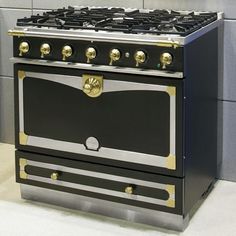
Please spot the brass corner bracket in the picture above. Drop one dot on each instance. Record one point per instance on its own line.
(171, 162)
(170, 189)
(23, 138)
(171, 91)
(170, 203)
(21, 74)
(23, 164)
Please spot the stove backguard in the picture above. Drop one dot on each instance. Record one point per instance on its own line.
(129, 121)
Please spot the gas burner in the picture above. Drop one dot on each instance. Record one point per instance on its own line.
(119, 19)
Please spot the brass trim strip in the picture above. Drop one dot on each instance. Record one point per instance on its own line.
(168, 44)
(16, 33)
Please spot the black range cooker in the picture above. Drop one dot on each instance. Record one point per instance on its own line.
(116, 110)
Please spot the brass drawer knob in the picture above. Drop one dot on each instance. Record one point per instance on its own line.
(54, 176)
(129, 190)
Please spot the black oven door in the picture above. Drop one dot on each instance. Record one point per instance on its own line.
(130, 121)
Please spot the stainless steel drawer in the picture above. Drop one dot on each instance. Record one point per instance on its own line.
(101, 182)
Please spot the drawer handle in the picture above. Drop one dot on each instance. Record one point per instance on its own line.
(54, 176)
(129, 190)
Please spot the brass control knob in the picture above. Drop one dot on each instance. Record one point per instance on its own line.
(54, 176)
(166, 59)
(140, 57)
(129, 190)
(92, 87)
(91, 54)
(45, 50)
(115, 55)
(23, 48)
(67, 52)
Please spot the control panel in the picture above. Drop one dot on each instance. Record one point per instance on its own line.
(101, 53)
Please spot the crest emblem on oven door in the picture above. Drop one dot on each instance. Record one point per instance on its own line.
(92, 85)
(92, 144)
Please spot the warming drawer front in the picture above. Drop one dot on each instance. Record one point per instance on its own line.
(122, 122)
(97, 181)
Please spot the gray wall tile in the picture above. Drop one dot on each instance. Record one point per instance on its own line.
(6, 110)
(228, 170)
(229, 87)
(58, 3)
(8, 19)
(227, 6)
(16, 3)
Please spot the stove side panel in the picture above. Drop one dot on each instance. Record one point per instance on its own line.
(201, 89)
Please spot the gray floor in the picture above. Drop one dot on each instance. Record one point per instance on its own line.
(19, 217)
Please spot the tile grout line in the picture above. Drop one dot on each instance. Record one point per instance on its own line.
(16, 8)
(233, 19)
(225, 100)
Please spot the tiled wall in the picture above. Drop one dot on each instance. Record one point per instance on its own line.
(10, 10)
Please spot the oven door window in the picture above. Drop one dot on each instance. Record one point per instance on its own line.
(127, 121)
